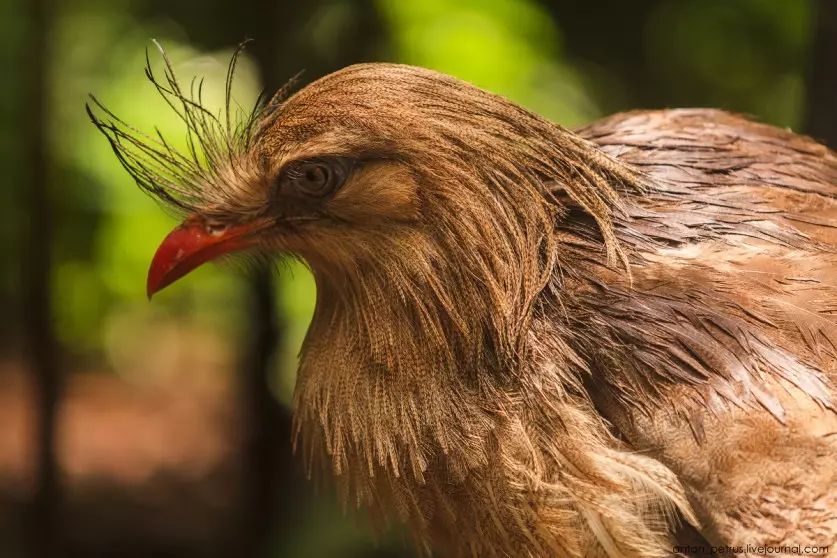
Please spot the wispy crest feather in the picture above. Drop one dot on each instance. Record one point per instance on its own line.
(193, 180)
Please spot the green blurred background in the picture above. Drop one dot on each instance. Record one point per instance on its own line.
(130, 428)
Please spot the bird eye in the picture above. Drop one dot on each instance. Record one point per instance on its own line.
(314, 178)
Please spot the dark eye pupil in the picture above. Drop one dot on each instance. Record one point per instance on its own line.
(316, 175)
(313, 178)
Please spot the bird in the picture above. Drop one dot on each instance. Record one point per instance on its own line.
(609, 341)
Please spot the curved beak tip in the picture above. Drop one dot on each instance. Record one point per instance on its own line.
(192, 244)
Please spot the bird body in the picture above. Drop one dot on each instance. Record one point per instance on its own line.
(531, 341)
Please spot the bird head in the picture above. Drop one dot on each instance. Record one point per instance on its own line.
(390, 181)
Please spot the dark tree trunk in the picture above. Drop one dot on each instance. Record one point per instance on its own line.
(275, 494)
(266, 468)
(821, 114)
(43, 529)
(589, 38)
(272, 503)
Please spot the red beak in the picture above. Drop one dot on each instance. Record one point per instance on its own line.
(194, 243)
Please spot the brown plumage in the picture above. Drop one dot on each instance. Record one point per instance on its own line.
(531, 341)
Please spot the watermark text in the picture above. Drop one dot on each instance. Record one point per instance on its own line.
(764, 550)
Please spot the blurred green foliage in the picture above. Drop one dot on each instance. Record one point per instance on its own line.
(107, 275)
(569, 61)
(510, 47)
(747, 56)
